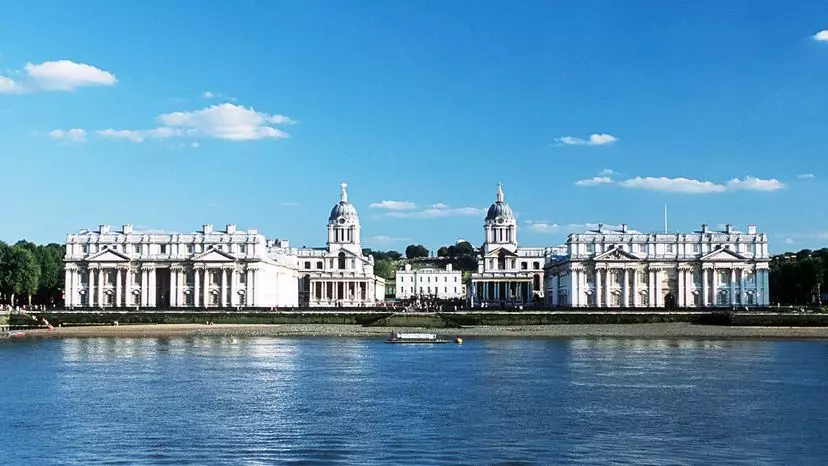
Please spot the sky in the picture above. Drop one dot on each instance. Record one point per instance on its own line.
(170, 115)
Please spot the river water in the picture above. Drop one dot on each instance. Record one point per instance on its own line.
(259, 400)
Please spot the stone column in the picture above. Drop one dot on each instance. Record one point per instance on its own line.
(634, 293)
(575, 291)
(703, 287)
(223, 289)
(196, 286)
(598, 287)
(742, 287)
(67, 288)
(152, 291)
(732, 286)
(118, 289)
(651, 293)
(714, 299)
(625, 302)
(99, 292)
(205, 290)
(680, 276)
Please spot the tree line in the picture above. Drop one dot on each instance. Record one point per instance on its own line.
(799, 278)
(31, 274)
(462, 256)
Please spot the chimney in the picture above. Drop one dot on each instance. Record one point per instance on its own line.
(751, 229)
(728, 228)
(231, 229)
(127, 229)
(600, 227)
(207, 229)
(623, 228)
(448, 267)
(103, 229)
(704, 228)
(408, 267)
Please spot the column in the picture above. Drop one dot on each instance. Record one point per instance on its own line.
(128, 287)
(651, 294)
(680, 277)
(625, 297)
(248, 292)
(223, 284)
(732, 286)
(598, 287)
(713, 300)
(576, 288)
(99, 292)
(152, 297)
(196, 286)
(234, 286)
(205, 288)
(254, 287)
(742, 287)
(181, 280)
(634, 290)
(765, 297)
(118, 285)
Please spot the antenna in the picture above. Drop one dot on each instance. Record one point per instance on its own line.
(665, 218)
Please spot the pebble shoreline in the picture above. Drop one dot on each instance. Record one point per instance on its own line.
(655, 331)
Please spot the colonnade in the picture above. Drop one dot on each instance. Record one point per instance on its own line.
(120, 285)
(329, 292)
(497, 291)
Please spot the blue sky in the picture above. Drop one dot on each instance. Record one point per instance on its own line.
(168, 115)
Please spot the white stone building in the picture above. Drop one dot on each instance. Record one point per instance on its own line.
(429, 282)
(624, 268)
(221, 269)
(339, 275)
(507, 275)
(207, 268)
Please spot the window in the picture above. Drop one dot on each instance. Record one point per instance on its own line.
(243, 248)
(523, 266)
(455, 279)
(163, 249)
(751, 249)
(696, 249)
(669, 249)
(319, 265)
(590, 248)
(536, 265)
(242, 278)
(307, 264)
(85, 248)
(190, 249)
(136, 248)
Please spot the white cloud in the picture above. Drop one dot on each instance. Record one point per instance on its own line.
(393, 205)
(60, 75)
(675, 185)
(543, 226)
(607, 172)
(790, 241)
(195, 145)
(594, 140)
(594, 181)
(806, 176)
(216, 95)
(440, 210)
(383, 239)
(72, 135)
(750, 183)
(821, 36)
(208, 95)
(288, 204)
(223, 121)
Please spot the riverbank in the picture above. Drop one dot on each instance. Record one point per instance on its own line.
(652, 331)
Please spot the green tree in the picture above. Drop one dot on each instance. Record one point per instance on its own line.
(385, 269)
(50, 259)
(413, 251)
(20, 273)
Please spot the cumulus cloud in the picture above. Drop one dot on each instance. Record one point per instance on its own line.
(440, 210)
(216, 95)
(71, 135)
(594, 181)
(393, 205)
(223, 121)
(208, 95)
(607, 172)
(596, 139)
(59, 75)
(543, 226)
(806, 176)
(821, 36)
(750, 183)
(675, 185)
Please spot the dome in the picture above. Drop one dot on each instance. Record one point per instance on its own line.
(343, 208)
(500, 209)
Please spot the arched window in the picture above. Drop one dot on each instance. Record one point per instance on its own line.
(536, 283)
(501, 260)
(342, 260)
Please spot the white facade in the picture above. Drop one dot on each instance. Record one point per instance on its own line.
(220, 269)
(628, 269)
(429, 282)
(507, 275)
(339, 275)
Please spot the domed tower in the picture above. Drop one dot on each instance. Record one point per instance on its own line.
(501, 225)
(343, 226)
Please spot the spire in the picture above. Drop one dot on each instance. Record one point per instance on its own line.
(500, 192)
(344, 192)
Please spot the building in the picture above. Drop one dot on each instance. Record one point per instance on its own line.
(507, 275)
(339, 275)
(623, 268)
(220, 269)
(431, 283)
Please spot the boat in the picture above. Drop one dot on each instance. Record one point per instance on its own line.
(15, 334)
(397, 337)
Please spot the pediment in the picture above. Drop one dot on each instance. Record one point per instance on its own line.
(108, 255)
(214, 255)
(494, 253)
(723, 255)
(616, 254)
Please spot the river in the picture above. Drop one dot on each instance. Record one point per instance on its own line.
(261, 400)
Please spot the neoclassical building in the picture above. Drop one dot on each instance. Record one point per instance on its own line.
(339, 275)
(221, 269)
(623, 268)
(429, 282)
(507, 275)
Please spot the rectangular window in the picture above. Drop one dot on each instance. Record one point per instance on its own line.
(696, 249)
(242, 278)
(536, 265)
(243, 248)
(190, 249)
(590, 248)
(669, 249)
(163, 249)
(85, 248)
(319, 265)
(523, 266)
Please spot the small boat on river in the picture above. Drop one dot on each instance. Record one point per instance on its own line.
(397, 337)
